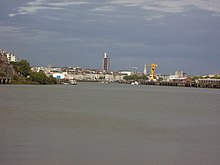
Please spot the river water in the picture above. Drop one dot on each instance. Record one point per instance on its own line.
(109, 124)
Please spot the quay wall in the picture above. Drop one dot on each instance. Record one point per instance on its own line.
(182, 84)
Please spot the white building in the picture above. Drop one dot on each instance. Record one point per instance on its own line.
(11, 57)
(208, 81)
(38, 68)
(59, 75)
(178, 76)
(126, 72)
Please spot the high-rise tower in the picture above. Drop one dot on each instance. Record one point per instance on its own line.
(105, 62)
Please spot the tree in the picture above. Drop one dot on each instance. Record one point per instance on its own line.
(41, 78)
(38, 77)
(52, 80)
(135, 77)
(23, 67)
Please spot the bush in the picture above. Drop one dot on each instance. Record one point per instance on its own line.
(22, 67)
(2, 74)
(135, 77)
(41, 78)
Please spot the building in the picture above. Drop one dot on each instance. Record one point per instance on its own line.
(178, 76)
(59, 75)
(11, 57)
(208, 81)
(106, 63)
(125, 72)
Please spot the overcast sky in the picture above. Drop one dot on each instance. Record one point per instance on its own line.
(175, 34)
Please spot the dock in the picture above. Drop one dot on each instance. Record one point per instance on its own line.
(199, 84)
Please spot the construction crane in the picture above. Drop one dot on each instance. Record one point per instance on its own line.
(152, 68)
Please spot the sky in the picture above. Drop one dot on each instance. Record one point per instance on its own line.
(175, 34)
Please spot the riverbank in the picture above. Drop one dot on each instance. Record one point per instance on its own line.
(179, 84)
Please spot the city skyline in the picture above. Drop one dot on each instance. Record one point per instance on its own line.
(176, 35)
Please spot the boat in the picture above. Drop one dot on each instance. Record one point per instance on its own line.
(134, 83)
(72, 82)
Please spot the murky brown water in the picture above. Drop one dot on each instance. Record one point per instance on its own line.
(109, 124)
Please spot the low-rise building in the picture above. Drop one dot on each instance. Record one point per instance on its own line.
(81, 74)
(178, 76)
(11, 57)
(59, 75)
(125, 72)
(208, 81)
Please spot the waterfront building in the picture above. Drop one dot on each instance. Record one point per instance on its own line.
(126, 72)
(106, 63)
(59, 75)
(178, 76)
(208, 81)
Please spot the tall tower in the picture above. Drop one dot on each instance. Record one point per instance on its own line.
(145, 69)
(105, 63)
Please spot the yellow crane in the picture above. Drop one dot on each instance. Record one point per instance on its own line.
(152, 68)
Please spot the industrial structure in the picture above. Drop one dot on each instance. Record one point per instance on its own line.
(106, 63)
(152, 68)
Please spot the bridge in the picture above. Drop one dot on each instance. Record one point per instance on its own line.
(5, 80)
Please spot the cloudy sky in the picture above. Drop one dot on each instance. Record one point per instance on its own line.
(175, 34)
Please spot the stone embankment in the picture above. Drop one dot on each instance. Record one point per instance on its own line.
(182, 84)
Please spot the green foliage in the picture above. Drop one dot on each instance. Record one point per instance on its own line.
(215, 77)
(15, 78)
(196, 78)
(41, 78)
(22, 67)
(2, 74)
(135, 77)
(38, 77)
(52, 80)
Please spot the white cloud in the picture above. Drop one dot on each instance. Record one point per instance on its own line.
(11, 30)
(157, 9)
(36, 3)
(35, 6)
(164, 7)
(154, 8)
(171, 6)
(153, 17)
(128, 2)
(104, 8)
(12, 15)
(67, 3)
(34, 9)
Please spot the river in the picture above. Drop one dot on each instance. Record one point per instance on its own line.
(109, 124)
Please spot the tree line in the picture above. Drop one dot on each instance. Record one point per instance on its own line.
(26, 76)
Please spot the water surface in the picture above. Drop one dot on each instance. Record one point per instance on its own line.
(109, 124)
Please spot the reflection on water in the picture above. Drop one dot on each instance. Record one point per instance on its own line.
(109, 124)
